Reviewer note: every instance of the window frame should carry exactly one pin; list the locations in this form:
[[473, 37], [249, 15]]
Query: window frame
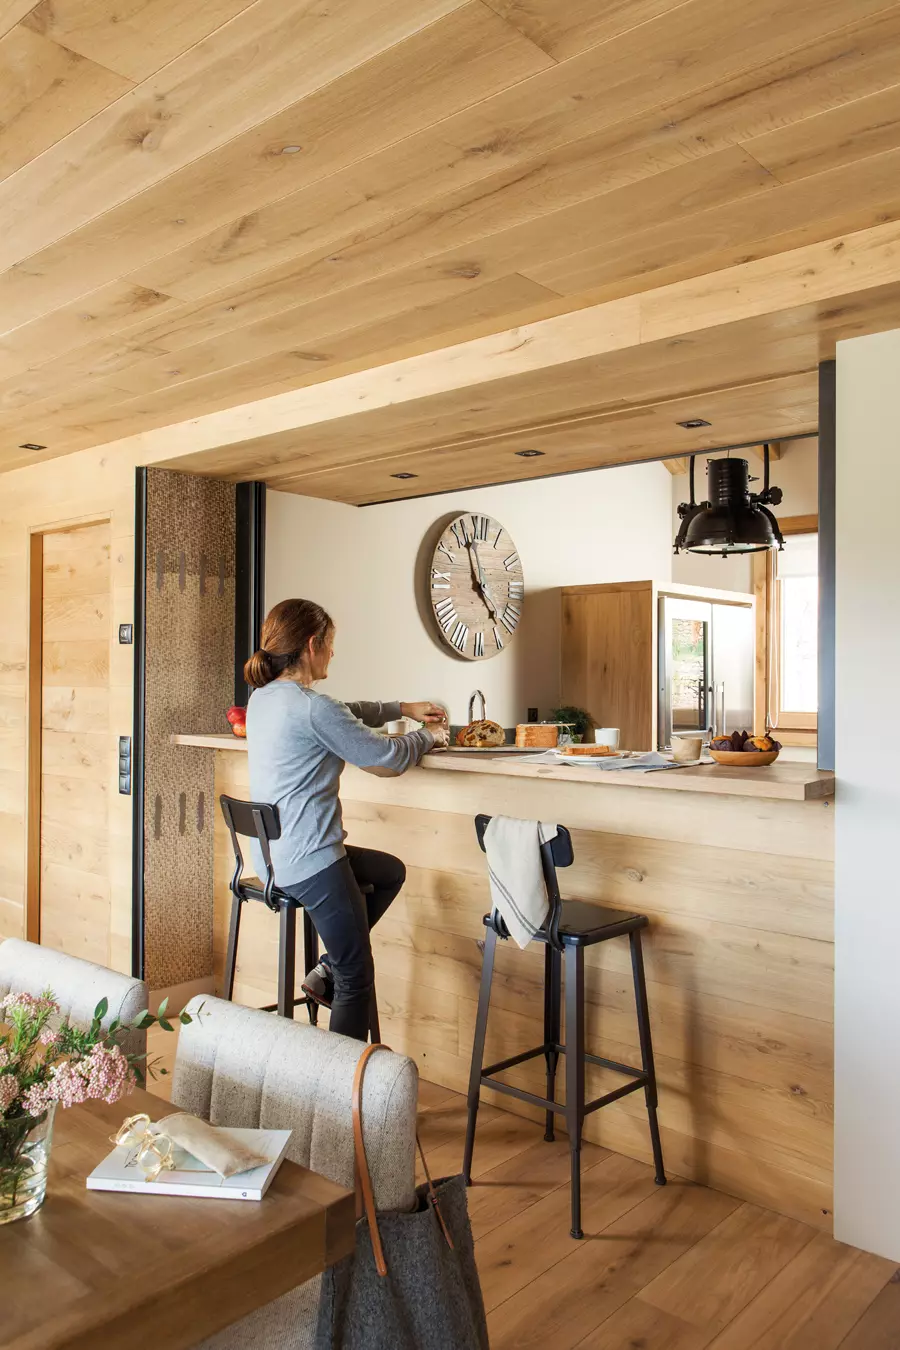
[[802, 729]]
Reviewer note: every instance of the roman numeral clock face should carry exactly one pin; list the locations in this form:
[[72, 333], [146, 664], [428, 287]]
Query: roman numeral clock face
[[477, 587]]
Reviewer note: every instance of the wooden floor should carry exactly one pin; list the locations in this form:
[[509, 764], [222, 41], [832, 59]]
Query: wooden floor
[[678, 1267], [673, 1268]]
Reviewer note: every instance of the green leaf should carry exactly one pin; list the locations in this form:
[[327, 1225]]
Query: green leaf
[[166, 1026], [161, 1010], [185, 1018], [101, 1010]]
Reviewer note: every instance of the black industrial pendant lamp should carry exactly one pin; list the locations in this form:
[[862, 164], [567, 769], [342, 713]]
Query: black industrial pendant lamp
[[734, 520]]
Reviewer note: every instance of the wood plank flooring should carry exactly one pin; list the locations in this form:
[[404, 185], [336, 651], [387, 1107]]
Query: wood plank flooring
[[673, 1268]]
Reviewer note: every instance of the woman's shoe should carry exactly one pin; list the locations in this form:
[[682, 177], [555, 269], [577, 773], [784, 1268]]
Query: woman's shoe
[[319, 985]]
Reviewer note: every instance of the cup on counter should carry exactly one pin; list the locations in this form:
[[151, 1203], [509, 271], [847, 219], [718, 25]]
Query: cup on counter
[[687, 746], [397, 728], [608, 736]]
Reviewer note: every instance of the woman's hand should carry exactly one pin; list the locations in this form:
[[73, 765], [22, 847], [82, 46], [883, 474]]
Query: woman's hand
[[441, 736], [429, 713]]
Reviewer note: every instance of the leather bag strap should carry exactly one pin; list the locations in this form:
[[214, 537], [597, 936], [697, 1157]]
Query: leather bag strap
[[363, 1177]]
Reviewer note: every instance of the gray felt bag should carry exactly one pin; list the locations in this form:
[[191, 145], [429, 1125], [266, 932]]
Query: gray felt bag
[[412, 1283]]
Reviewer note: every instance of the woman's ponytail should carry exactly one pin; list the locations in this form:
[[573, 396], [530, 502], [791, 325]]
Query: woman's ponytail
[[286, 634], [258, 671]]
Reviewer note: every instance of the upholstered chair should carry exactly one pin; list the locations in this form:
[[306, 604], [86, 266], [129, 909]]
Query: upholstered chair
[[78, 986], [242, 1067]]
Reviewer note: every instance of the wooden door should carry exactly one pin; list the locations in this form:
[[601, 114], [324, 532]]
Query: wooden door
[[76, 765]]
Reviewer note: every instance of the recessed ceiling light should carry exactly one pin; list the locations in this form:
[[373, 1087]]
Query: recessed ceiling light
[[32, 445], [404, 475], [528, 454], [291, 149], [693, 422]]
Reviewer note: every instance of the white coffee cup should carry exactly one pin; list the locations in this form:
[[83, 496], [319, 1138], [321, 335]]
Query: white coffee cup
[[608, 736], [397, 728], [687, 746]]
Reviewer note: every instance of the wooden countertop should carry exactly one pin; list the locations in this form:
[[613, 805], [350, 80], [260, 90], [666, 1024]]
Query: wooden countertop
[[784, 782]]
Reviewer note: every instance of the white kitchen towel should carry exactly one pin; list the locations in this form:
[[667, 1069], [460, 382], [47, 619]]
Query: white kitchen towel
[[518, 889]]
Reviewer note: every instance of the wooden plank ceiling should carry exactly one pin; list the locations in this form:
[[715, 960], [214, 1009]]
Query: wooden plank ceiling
[[206, 205]]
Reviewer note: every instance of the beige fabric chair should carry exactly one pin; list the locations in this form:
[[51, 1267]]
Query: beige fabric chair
[[26, 968], [238, 1066]]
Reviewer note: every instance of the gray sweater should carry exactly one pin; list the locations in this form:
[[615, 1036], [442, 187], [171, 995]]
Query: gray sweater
[[298, 742]]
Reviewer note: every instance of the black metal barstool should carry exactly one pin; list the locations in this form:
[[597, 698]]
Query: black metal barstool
[[571, 926], [260, 821]]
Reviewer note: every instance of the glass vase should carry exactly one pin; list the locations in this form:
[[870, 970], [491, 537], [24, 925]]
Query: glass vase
[[24, 1157]]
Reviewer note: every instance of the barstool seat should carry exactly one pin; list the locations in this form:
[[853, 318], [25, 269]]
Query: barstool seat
[[581, 924], [571, 926], [260, 821]]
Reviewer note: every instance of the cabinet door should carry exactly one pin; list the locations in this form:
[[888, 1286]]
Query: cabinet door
[[733, 666]]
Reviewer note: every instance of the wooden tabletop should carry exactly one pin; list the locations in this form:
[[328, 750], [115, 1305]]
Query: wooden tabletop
[[782, 781], [123, 1272]]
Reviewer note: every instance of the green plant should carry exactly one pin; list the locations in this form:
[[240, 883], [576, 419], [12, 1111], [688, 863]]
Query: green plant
[[580, 721], [46, 1062]]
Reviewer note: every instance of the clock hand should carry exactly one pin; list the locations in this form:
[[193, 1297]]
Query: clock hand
[[481, 581]]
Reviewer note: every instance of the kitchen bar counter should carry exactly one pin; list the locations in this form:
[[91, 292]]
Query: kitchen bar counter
[[733, 869], [783, 782]]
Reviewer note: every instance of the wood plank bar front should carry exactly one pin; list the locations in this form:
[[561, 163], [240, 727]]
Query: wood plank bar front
[[737, 882]]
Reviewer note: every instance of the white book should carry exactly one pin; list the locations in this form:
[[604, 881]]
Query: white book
[[120, 1171]]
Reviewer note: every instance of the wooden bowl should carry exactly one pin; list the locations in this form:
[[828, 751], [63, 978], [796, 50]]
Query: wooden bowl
[[748, 759]]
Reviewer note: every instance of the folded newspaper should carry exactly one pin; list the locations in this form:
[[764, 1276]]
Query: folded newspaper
[[647, 763]]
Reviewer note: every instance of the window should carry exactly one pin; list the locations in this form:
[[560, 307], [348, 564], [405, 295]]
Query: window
[[794, 634], [787, 593]]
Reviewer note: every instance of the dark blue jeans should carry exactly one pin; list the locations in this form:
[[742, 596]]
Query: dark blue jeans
[[343, 917]]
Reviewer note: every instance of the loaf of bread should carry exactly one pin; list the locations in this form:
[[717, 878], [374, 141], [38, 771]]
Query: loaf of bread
[[537, 735], [480, 735]]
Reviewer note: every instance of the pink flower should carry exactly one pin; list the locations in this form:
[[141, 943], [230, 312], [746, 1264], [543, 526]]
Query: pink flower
[[28, 1004], [50, 1036], [4, 1057], [9, 1091], [103, 1075]]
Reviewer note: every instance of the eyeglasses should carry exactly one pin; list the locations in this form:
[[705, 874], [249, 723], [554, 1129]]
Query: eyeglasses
[[154, 1151]]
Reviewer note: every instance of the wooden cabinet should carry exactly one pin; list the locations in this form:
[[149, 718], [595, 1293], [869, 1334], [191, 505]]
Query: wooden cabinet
[[611, 659]]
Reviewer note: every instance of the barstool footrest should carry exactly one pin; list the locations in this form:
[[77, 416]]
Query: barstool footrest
[[623, 1091], [520, 1059], [524, 1096], [298, 1003], [638, 1077]]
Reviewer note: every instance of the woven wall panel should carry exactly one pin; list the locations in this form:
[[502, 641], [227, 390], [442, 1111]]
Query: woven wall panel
[[190, 684]]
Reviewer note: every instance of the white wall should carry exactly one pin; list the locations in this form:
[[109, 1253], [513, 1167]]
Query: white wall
[[867, 889], [368, 567], [796, 473]]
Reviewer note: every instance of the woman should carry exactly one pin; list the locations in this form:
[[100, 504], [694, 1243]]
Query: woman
[[298, 741]]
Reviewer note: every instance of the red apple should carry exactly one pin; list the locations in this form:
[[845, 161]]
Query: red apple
[[238, 719]]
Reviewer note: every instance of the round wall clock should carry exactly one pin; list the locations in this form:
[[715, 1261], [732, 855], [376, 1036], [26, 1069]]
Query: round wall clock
[[477, 587]]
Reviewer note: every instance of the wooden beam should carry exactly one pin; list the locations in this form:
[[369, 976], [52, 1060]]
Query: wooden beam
[[815, 274], [676, 466]]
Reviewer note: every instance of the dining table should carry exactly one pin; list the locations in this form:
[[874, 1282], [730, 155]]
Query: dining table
[[93, 1269]]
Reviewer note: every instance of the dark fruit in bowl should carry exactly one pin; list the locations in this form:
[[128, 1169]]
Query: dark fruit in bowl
[[743, 741]]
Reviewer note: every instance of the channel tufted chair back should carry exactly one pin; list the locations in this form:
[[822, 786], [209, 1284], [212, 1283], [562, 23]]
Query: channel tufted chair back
[[242, 1067]]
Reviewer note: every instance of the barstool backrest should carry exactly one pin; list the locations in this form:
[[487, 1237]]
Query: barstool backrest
[[252, 820], [558, 852]]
